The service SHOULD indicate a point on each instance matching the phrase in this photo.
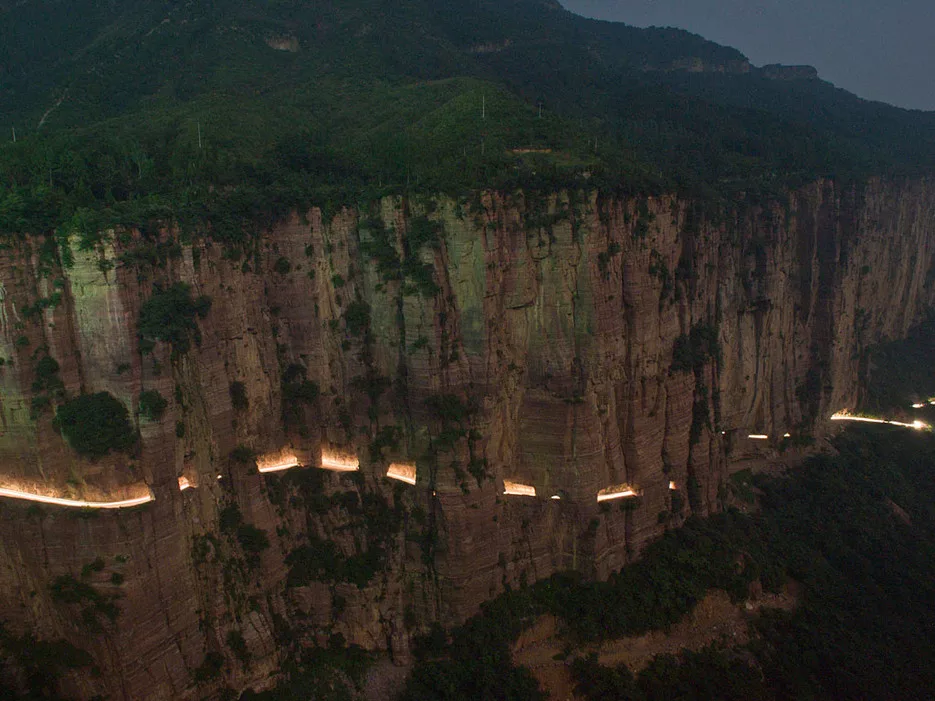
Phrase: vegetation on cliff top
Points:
(226, 115)
(856, 529)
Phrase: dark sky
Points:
(878, 49)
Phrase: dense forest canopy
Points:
(222, 114)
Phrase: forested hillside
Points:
(136, 109)
(323, 322)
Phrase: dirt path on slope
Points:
(714, 619)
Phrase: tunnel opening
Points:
(516, 489)
(277, 462)
(620, 491)
(403, 472)
(339, 462)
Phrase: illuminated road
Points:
(75, 503)
(844, 416)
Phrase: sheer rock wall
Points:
(562, 325)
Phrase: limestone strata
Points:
(550, 342)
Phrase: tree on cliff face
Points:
(96, 424)
(169, 315)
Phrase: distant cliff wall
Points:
(568, 343)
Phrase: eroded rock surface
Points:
(568, 343)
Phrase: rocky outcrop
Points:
(777, 71)
(696, 64)
(569, 342)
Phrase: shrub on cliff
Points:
(297, 392)
(96, 424)
(691, 351)
(239, 399)
(152, 405)
(169, 315)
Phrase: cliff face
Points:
(570, 344)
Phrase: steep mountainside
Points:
(697, 115)
(568, 343)
(551, 275)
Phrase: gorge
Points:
(566, 341)
(348, 336)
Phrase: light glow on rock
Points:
(515, 489)
(75, 503)
(556, 497)
(845, 416)
(184, 484)
(402, 471)
(673, 486)
(339, 463)
(621, 491)
(758, 437)
(277, 462)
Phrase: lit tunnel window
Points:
(403, 472)
(338, 462)
(620, 491)
(278, 462)
(515, 489)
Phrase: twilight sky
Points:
(878, 50)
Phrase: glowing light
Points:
(339, 463)
(515, 489)
(79, 503)
(278, 467)
(918, 405)
(673, 486)
(184, 484)
(621, 491)
(556, 497)
(402, 471)
(277, 462)
(844, 416)
(787, 435)
(758, 437)
(220, 477)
